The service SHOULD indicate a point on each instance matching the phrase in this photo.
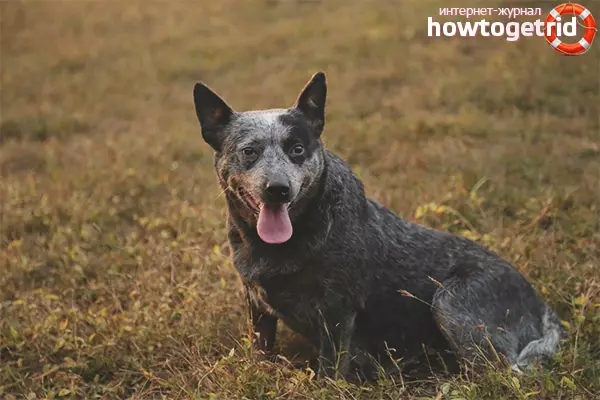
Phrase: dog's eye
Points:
(298, 150)
(248, 151)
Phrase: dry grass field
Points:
(115, 280)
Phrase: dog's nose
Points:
(278, 192)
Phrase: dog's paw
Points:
(264, 355)
(515, 368)
(533, 368)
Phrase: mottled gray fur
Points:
(358, 281)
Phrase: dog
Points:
(363, 285)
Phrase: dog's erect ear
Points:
(312, 101)
(213, 113)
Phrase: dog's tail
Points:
(545, 347)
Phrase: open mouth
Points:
(252, 203)
(273, 221)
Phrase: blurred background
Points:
(115, 280)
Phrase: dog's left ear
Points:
(311, 101)
(213, 113)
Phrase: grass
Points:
(115, 280)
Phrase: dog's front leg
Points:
(336, 330)
(264, 324)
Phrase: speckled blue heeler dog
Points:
(336, 267)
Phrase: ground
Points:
(115, 279)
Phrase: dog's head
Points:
(267, 161)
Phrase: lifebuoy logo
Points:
(554, 27)
(589, 25)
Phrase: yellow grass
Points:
(114, 275)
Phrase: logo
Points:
(552, 29)
(555, 26)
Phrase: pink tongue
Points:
(274, 225)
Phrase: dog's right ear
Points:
(213, 113)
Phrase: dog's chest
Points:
(292, 290)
